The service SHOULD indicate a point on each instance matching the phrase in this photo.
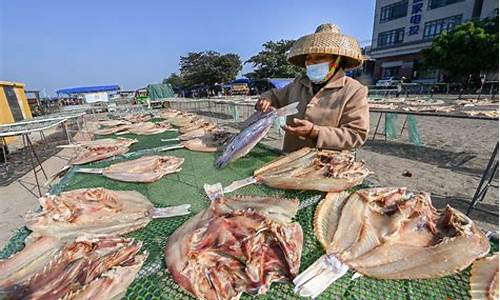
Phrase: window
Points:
(394, 11)
(391, 37)
(434, 28)
(440, 3)
(391, 72)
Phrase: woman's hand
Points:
(263, 105)
(302, 128)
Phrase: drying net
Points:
(154, 282)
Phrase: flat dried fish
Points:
(246, 140)
(197, 133)
(147, 128)
(313, 169)
(100, 149)
(93, 211)
(144, 169)
(87, 268)
(199, 124)
(113, 123)
(210, 142)
(484, 279)
(111, 130)
(391, 234)
(137, 118)
(30, 260)
(236, 245)
(168, 113)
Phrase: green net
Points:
(390, 128)
(154, 282)
(413, 134)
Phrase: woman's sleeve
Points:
(278, 97)
(353, 126)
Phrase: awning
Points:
(89, 89)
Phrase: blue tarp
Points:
(241, 80)
(280, 83)
(89, 89)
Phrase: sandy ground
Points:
(448, 164)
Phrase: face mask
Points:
(318, 73)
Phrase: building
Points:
(402, 28)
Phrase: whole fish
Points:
(241, 144)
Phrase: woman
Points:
(333, 108)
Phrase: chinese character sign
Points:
(416, 16)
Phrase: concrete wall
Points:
(489, 9)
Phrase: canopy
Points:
(89, 89)
(158, 91)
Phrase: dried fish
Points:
(313, 169)
(94, 211)
(236, 245)
(111, 130)
(144, 169)
(389, 233)
(137, 118)
(210, 142)
(30, 260)
(484, 279)
(197, 133)
(100, 149)
(199, 124)
(86, 268)
(113, 123)
(147, 128)
(241, 144)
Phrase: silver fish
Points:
(241, 144)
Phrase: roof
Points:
(10, 83)
(89, 89)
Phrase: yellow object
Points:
(14, 106)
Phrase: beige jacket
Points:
(339, 109)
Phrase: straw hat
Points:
(327, 39)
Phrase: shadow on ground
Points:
(462, 204)
(19, 162)
(444, 159)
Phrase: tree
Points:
(465, 51)
(174, 80)
(209, 67)
(271, 62)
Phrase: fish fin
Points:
(287, 110)
(321, 274)
(59, 174)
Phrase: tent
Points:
(159, 91)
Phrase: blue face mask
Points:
(317, 73)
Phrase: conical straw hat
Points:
(327, 39)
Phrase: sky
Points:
(55, 44)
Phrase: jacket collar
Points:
(337, 81)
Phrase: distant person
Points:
(333, 108)
(400, 86)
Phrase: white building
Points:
(403, 28)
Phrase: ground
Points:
(448, 164)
